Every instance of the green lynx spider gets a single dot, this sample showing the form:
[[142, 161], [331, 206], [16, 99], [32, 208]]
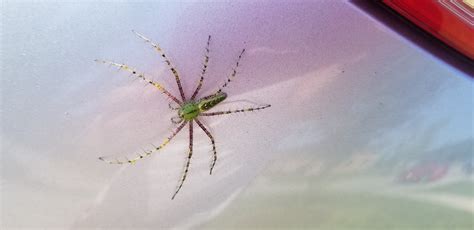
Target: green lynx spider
[[189, 110]]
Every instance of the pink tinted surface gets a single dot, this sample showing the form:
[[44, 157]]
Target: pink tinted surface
[[340, 85]]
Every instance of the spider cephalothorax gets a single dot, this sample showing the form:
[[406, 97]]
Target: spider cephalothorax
[[189, 111]]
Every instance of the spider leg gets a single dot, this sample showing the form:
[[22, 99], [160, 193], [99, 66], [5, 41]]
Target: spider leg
[[176, 120], [188, 160], [168, 62], [235, 111], [212, 142], [145, 153], [204, 67], [234, 72], [141, 76], [172, 108]]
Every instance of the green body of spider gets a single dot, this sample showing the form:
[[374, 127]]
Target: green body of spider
[[189, 110]]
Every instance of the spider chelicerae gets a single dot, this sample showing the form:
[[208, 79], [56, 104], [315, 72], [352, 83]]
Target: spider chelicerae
[[189, 110]]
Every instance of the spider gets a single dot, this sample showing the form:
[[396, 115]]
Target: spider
[[189, 110]]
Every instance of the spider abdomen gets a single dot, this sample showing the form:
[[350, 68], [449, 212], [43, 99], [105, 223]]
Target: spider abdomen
[[206, 103]]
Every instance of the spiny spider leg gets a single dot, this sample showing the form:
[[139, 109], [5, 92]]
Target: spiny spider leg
[[188, 160], [168, 62], [235, 111], [212, 142], [147, 153], [204, 68], [234, 72], [176, 120], [173, 108], [141, 76]]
